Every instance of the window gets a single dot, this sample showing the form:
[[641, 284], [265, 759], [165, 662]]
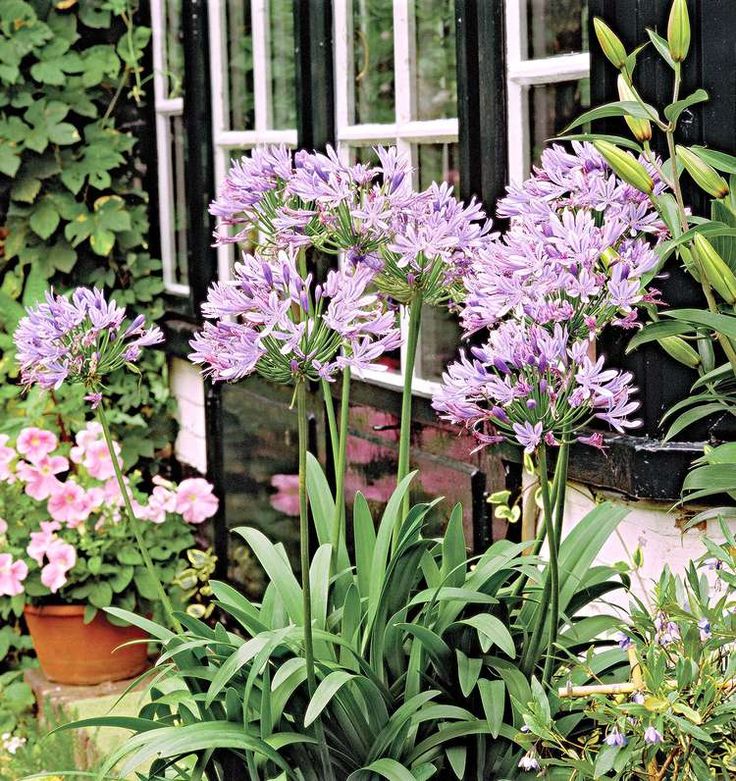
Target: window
[[547, 74], [395, 83], [168, 74], [252, 68]]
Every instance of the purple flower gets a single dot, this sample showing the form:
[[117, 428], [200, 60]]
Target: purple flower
[[81, 339], [527, 435], [624, 641], [705, 630], [652, 736], [667, 632], [529, 761], [273, 320], [615, 738]]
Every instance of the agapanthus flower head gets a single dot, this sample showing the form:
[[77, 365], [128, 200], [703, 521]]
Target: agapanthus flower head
[[272, 319], [578, 250], [79, 339], [532, 385]]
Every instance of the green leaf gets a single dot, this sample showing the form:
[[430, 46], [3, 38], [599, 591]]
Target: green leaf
[[9, 158], [693, 416], [102, 241], [661, 45], [61, 257], [719, 160], [617, 140], [101, 594], [491, 631], [44, 219], [725, 324], [493, 698], [468, 672], [653, 332], [386, 768], [625, 108], [673, 111], [25, 189], [324, 693]]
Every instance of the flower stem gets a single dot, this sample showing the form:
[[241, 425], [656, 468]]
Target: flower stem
[[340, 465], [331, 423], [301, 407], [134, 522], [551, 590], [415, 321], [560, 487]]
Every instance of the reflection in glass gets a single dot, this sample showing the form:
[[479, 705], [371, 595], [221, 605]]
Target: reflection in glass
[[178, 176], [438, 163], [552, 107], [373, 61], [557, 27], [240, 65], [440, 339], [282, 64], [436, 76], [174, 48]]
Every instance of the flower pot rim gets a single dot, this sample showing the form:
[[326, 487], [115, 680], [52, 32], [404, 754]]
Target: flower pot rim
[[55, 610]]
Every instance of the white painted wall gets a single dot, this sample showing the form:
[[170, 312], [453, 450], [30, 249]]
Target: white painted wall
[[188, 389]]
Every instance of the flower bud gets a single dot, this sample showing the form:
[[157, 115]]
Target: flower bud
[[610, 43], [608, 256], [640, 128], [715, 268], [680, 350], [706, 177], [626, 166], [707, 353], [678, 30]]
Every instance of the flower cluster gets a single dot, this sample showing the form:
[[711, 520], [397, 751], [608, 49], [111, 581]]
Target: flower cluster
[[534, 385], [272, 319], [63, 514], [576, 258], [82, 339], [417, 243]]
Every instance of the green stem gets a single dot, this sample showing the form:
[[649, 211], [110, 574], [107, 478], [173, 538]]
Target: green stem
[[340, 466], [551, 590], [331, 423], [301, 409], [135, 524], [560, 486], [415, 321]]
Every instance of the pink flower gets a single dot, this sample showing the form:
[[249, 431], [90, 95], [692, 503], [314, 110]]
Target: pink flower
[[7, 454], [41, 541], [97, 460], [12, 575], [68, 504], [92, 432], [161, 502], [62, 557], [40, 478], [195, 500], [36, 443]]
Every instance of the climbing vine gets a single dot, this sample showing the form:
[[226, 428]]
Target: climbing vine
[[73, 210]]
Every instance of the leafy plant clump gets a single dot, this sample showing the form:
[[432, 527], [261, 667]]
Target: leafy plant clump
[[72, 207]]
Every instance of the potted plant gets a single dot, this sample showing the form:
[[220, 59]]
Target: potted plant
[[68, 549]]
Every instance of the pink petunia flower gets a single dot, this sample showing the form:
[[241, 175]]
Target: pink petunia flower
[[92, 432], [40, 478], [36, 443], [7, 454], [195, 500], [12, 575], [41, 541], [62, 557], [68, 504], [161, 502], [97, 460]]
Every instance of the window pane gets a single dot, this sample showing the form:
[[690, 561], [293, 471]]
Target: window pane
[[373, 58], [281, 55], [437, 163], [174, 48], [179, 228], [557, 27], [436, 77], [240, 65], [552, 107], [440, 338]]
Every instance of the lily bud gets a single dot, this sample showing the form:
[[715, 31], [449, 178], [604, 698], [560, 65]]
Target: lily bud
[[678, 30], [626, 166], [608, 256], [610, 43], [706, 177], [640, 128], [715, 268], [680, 350], [707, 353]]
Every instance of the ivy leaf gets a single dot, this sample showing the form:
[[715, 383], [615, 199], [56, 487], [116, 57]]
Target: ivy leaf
[[54, 70], [9, 158], [102, 241], [25, 189], [45, 117], [99, 62], [130, 47], [61, 257], [44, 219], [93, 13]]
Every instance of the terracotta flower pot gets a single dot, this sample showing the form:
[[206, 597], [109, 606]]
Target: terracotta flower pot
[[72, 652]]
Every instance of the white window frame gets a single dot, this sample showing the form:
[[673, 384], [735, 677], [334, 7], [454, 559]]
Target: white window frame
[[404, 132], [165, 109], [523, 72], [225, 139]]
